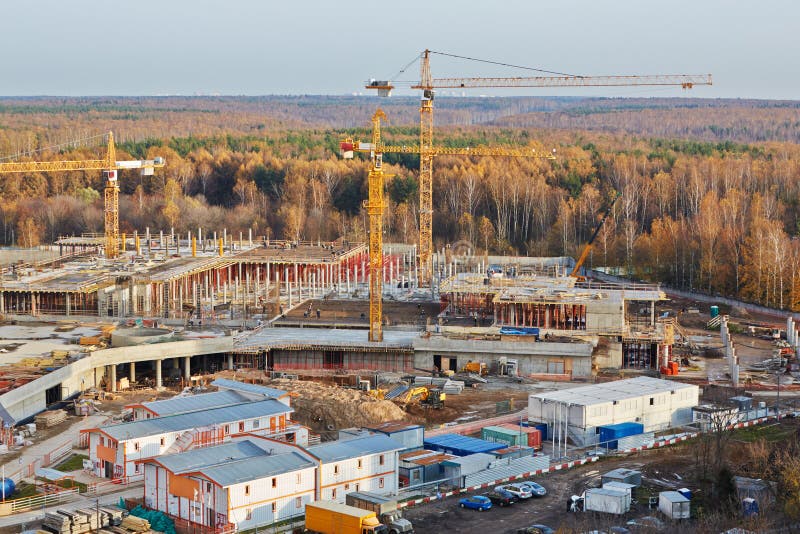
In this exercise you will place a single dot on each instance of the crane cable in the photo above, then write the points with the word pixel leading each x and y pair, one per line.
pixel 506 64
pixel 76 143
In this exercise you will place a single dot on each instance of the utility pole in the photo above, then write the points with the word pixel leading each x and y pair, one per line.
pixel 778 400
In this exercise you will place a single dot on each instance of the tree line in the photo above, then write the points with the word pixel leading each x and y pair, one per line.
pixel 719 215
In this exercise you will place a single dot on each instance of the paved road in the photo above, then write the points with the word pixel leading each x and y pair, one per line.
pixel 38 450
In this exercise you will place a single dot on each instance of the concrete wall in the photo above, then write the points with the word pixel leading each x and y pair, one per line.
pixel 29 399
pixel 605 316
pixel 533 357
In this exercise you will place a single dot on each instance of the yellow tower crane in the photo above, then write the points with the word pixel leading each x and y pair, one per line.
pixel 375 204
pixel 428 85
pixel 109 165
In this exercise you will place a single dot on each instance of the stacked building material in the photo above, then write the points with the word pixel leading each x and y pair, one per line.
pixel 135 524
pixel 50 418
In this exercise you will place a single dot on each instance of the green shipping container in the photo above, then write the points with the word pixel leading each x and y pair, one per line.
pixel 499 434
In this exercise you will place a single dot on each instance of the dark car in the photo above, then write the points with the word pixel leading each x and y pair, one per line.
pixel 501 491
pixel 499 498
pixel 536 529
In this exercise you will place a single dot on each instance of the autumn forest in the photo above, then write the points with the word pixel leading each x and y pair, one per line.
pixel 710 189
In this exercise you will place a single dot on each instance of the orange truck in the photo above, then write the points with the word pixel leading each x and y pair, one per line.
pixel 328 517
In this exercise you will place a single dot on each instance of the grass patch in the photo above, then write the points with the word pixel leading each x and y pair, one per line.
pixel 771 433
pixel 66 483
pixel 72 463
pixel 25 490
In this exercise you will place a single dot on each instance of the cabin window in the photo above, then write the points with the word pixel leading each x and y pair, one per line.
pixel 241 426
pixel 162 442
pixel 136 446
pixel 274 508
pixel 274 482
pixel 380 459
pixel 249 515
pixel 298 478
pixel 246 491
pixel 380 482
pixel 360 463
pixel 333 493
pixel 298 502
pixel 336 469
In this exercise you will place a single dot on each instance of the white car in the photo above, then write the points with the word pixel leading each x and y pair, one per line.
pixel 518 490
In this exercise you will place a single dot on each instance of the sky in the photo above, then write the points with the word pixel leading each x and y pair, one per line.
pixel 270 47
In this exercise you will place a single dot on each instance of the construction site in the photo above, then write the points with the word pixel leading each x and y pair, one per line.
pixel 435 372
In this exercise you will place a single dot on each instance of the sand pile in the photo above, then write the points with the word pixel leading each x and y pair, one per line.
pixel 323 407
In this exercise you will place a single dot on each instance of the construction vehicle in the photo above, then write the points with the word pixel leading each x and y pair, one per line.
pixel 428 85
pixel 479 368
pixel 586 249
pixel 427 397
pixel 385 508
pixel 328 517
pixel 109 165
pixel 375 205
pixel 377 393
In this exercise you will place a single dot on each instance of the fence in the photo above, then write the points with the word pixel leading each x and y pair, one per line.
pixel 37 501
pixel 108 486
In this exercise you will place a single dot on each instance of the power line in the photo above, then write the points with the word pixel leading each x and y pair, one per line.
pixel 74 143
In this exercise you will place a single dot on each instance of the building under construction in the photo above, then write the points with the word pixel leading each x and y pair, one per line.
pixel 164 280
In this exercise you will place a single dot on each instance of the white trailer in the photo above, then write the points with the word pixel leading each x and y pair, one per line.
pixel 606 500
pixel 674 505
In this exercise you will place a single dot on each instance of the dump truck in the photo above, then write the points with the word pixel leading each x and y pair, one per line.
pixel 384 507
pixel 328 517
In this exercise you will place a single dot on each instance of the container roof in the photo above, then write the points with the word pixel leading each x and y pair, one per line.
pixel 673 496
pixel 390 427
pixel 631 388
pixel 191 403
pixel 191 420
pixel 464 443
pixel 194 460
pixel 335 451
pixel 254 389
pixel 231 473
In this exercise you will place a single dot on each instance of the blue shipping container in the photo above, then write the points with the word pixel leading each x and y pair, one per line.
pixel 542 427
pixel 461 445
pixel 609 434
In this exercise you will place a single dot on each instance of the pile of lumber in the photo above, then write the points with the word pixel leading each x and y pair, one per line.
pixel 50 418
pixel 135 524
pixel 83 520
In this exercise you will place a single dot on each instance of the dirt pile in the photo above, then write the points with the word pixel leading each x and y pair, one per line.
pixel 325 408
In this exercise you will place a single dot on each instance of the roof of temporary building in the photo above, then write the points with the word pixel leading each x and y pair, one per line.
pixel 192 403
pixel 342 450
pixel 253 389
pixel 194 460
pixel 303 253
pixel 191 420
pixel 610 391
pixel 390 427
pixel 231 473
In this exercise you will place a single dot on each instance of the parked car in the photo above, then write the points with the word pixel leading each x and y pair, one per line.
pixel 646 524
pixel 536 490
pixel 476 502
pixel 518 490
pixel 500 499
pixel 501 491
pixel 536 529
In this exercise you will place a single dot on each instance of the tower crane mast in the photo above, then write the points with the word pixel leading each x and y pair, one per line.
pixel 375 204
pixel 428 85
pixel 109 165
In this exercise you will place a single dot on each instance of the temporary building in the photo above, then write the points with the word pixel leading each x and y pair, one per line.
pixel 656 404
pixel 461 445
pixel 609 501
pixel 628 476
pixel 674 505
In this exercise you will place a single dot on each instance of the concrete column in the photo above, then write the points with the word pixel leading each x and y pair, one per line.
pixel 159 383
pixel 132 373
pixel 230 362
pixel 67 299
pixel 187 367
pixel 112 376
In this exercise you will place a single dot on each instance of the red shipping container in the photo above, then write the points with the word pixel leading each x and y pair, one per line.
pixel 534 435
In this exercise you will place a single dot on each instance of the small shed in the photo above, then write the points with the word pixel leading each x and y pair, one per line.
pixel 609 501
pixel 674 505
pixel 410 436
pixel 421 466
pixel 742 403
pixel 456 469
pixel 628 476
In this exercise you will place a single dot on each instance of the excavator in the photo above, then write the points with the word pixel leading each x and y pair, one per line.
pixel 428 397
pixel 585 254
